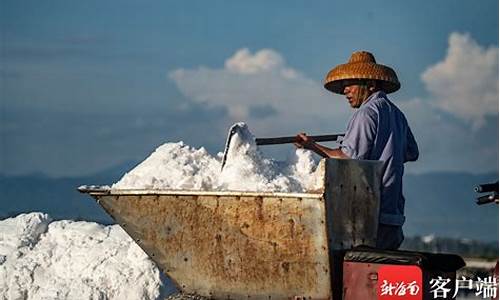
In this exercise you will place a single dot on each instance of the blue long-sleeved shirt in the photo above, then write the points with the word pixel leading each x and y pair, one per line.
pixel 378 130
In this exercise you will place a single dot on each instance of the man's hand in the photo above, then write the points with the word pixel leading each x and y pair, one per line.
pixel 303 141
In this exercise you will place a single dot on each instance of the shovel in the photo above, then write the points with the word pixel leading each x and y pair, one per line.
pixel 273 140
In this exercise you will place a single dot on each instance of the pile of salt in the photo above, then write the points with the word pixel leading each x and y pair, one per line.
pixel 45 259
pixel 180 167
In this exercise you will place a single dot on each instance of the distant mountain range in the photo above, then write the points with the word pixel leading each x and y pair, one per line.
pixel 438 204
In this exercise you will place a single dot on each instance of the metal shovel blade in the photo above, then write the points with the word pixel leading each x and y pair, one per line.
pixel 232 131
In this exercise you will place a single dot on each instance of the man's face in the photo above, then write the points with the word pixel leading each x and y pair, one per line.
pixel 355 92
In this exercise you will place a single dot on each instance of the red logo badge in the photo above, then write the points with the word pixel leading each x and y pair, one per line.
pixel 400 282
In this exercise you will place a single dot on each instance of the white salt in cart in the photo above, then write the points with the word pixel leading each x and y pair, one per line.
pixel 253 245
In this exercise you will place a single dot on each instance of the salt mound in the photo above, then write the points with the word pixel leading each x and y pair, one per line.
pixel 179 166
pixel 174 166
pixel 40 259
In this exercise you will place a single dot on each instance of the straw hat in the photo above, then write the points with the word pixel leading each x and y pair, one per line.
pixel 361 65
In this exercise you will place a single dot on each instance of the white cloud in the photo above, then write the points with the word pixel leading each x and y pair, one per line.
pixel 263 82
pixel 465 83
pixel 245 63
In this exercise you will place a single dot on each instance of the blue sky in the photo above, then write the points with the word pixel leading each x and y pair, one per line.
pixel 91 84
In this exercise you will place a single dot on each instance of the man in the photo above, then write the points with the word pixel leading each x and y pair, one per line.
pixel 378 130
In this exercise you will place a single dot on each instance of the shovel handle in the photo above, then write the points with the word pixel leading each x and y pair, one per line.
pixel 292 139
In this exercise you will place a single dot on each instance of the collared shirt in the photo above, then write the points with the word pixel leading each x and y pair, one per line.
pixel 378 130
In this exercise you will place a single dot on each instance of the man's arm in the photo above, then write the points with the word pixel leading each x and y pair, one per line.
pixel 412 152
pixel 303 141
pixel 357 142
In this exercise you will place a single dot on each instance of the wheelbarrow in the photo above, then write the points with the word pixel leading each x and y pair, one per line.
pixel 253 245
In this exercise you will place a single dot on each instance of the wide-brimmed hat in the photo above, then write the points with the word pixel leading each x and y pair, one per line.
pixel 361 65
